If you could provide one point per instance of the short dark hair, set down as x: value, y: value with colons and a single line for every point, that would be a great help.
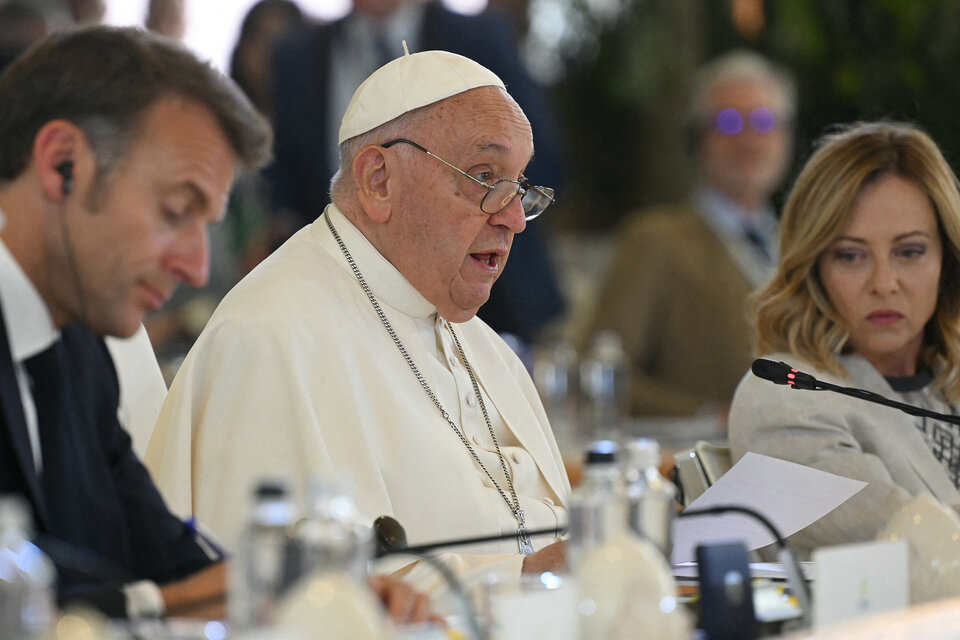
x: 103, y: 79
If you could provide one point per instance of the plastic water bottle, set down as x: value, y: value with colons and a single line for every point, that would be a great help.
x: 598, y: 507
x: 333, y: 599
x: 27, y: 576
x: 267, y: 562
x: 332, y: 536
x: 605, y: 386
x: 626, y: 588
x: 651, y: 497
x: 555, y: 375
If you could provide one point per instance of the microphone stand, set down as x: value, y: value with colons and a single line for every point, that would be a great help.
x: 805, y: 381
x: 786, y: 556
x: 430, y: 546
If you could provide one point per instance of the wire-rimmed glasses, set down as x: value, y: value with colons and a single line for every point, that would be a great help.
x: 502, y: 192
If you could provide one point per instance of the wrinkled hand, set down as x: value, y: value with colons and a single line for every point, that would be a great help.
x: 404, y: 604
x: 551, y: 558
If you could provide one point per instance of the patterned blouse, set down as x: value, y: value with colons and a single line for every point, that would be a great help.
x: 943, y: 438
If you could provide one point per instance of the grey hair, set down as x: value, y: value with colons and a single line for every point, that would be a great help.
x: 739, y: 64
x: 404, y: 125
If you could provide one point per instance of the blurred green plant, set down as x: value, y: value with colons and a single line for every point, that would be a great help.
x: 622, y: 87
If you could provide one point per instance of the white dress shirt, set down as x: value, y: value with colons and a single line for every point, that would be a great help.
x: 30, y: 330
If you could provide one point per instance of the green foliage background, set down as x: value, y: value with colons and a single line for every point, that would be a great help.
x: 623, y: 96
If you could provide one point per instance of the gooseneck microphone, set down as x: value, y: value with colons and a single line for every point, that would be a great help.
x: 392, y: 538
x: 783, y: 373
x: 390, y: 535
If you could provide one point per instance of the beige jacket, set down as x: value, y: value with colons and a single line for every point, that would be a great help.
x: 679, y: 301
x: 843, y: 435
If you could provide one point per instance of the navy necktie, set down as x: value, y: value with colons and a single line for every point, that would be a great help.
x: 757, y: 240
x: 47, y: 371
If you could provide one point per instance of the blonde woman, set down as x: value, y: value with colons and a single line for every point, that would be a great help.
x: 867, y: 294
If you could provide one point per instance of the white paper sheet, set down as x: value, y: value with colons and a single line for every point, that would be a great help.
x: 689, y: 572
x: 790, y: 495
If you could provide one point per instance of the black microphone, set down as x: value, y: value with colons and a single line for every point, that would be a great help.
x: 783, y: 373
x: 390, y: 535
x: 392, y: 538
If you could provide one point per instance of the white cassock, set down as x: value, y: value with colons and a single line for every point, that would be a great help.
x: 296, y: 375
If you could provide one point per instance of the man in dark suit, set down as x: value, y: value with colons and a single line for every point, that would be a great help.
x: 316, y: 72
x: 117, y: 149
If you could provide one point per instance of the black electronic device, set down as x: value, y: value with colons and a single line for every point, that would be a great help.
x: 65, y: 169
x: 726, y: 595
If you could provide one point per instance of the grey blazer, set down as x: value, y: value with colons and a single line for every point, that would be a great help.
x: 846, y: 436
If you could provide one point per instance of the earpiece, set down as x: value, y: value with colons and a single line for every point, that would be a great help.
x: 65, y: 169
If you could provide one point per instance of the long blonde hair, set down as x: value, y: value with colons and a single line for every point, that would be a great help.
x: 793, y: 312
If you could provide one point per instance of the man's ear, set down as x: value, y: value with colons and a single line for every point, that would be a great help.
x: 372, y: 175
x: 59, y: 144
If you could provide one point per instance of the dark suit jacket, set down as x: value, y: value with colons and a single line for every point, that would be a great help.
x: 526, y: 295
x: 115, y: 527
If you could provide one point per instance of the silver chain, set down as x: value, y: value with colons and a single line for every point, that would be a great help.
x: 514, y: 506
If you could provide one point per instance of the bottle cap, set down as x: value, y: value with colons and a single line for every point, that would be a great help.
x: 643, y: 452
x: 602, y: 452
x: 607, y: 346
x: 268, y: 489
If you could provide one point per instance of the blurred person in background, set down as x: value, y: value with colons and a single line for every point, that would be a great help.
x: 251, y: 231
x: 84, y: 12
x: 318, y: 69
x: 166, y: 17
x: 20, y: 26
x: 251, y: 63
x: 257, y: 229
x: 676, y: 291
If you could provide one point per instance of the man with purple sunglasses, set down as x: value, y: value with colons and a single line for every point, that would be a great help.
x: 676, y: 291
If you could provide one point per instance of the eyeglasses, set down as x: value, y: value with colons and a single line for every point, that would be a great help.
x: 731, y: 122
x: 502, y: 192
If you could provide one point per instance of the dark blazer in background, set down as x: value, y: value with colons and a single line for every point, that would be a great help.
x: 116, y: 526
x: 526, y: 296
